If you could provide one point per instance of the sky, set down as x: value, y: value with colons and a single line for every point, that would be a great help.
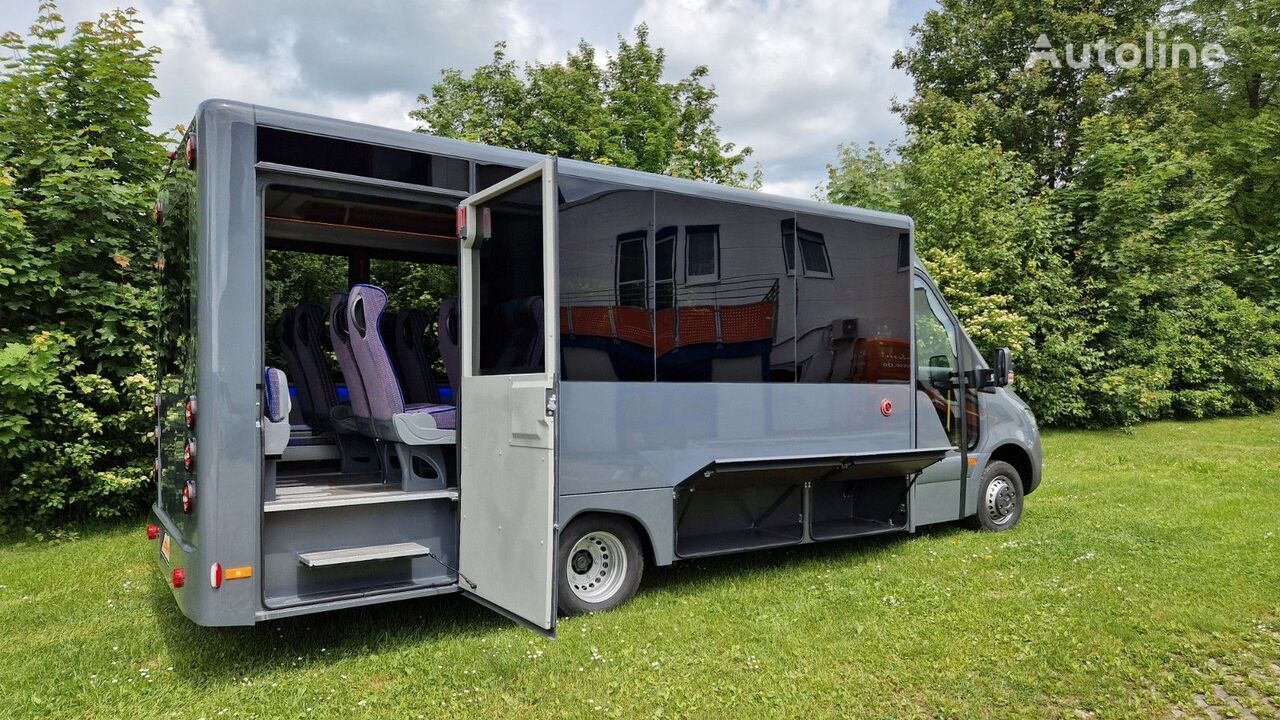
x: 795, y: 78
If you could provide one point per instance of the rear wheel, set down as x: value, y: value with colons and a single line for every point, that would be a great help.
x: 600, y: 563
x: 999, y: 498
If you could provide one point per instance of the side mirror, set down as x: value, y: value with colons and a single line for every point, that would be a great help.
x: 1002, y: 367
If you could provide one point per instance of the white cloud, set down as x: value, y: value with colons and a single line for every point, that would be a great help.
x: 795, y: 78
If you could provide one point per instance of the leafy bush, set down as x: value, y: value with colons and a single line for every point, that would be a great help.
x: 76, y: 253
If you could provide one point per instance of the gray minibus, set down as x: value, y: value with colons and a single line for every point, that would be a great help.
x: 621, y: 370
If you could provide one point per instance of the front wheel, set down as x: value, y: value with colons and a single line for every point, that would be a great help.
x: 600, y: 562
x: 999, y: 498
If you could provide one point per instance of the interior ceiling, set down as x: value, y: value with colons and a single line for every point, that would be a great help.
x: 323, y: 221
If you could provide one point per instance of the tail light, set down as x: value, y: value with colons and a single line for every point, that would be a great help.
x: 179, y: 577
x: 190, y: 413
x: 188, y: 497
x: 153, y: 531
x: 215, y: 575
x: 191, y: 150
x: 189, y: 454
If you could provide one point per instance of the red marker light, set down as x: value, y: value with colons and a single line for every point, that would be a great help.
x: 188, y: 497
x: 179, y: 577
x: 215, y: 575
x: 153, y: 531
x: 191, y: 150
x: 886, y: 407
x: 190, y: 412
x: 189, y: 455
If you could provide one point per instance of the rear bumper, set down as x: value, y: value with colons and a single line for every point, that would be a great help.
x: 181, y: 554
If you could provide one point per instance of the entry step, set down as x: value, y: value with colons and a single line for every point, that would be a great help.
x: 325, y: 558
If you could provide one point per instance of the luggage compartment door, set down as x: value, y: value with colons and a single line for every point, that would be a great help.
x: 509, y: 313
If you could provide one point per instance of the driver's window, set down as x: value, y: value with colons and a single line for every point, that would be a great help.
x: 937, y: 358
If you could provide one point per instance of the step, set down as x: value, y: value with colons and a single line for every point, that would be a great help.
x: 311, y: 497
x: 325, y: 558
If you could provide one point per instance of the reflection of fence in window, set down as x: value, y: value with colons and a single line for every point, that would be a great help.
x: 743, y: 310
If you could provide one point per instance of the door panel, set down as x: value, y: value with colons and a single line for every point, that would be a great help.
x: 939, y: 407
x: 508, y: 481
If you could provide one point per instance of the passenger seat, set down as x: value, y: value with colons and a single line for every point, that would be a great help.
x: 416, y: 429
x: 448, y: 332
x: 412, y: 359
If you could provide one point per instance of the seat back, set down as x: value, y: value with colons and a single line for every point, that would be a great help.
x: 417, y: 382
x: 523, y: 323
x: 450, y: 332
x: 364, y: 315
x: 340, y: 335
x: 308, y: 328
x: 285, y: 336
x: 276, y: 389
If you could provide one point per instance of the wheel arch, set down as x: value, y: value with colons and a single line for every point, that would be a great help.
x: 637, y: 524
x: 1018, y: 457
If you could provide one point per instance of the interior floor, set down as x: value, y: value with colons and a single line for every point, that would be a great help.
x: 306, y: 491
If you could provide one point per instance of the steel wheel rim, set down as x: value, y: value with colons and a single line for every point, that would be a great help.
x: 596, y: 567
x: 1000, y: 500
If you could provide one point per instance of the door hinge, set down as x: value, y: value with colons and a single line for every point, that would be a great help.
x: 552, y: 404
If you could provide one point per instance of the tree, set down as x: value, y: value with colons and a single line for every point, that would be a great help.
x: 78, y: 167
x: 1126, y: 215
x: 1236, y: 110
x: 994, y: 249
x: 968, y: 62
x: 623, y: 114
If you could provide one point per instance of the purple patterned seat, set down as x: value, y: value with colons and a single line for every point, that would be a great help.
x: 446, y: 416
x: 392, y: 419
x: 275, y: 411
x: 340, y: 335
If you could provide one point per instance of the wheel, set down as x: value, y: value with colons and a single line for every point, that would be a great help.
x: 999, y: 498
x: 601, y: 562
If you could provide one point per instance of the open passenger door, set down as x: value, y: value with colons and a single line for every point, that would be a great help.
x: 509, y: 312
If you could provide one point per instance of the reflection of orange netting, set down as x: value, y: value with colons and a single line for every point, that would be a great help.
x: 879, y: 359
x: 673, y: 328
x: 618, y: 323
x: 738, y: 323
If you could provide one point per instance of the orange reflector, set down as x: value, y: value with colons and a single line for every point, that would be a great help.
x: 239, y: 573
x: 973, y: 461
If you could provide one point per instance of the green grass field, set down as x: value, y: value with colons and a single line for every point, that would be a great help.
x: 1144, y: 580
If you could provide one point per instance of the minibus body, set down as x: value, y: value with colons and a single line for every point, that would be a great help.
x: 632, y: 369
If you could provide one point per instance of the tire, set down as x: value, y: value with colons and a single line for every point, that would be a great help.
x: 600, y: 564
x: 999, y: 499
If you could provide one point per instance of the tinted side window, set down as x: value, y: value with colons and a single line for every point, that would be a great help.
x: 510, y: 284
x: 606, y: 282
x: 729, y: 315
x: 853, y: 300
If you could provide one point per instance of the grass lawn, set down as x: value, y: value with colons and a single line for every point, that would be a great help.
x: 1144, y: 580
